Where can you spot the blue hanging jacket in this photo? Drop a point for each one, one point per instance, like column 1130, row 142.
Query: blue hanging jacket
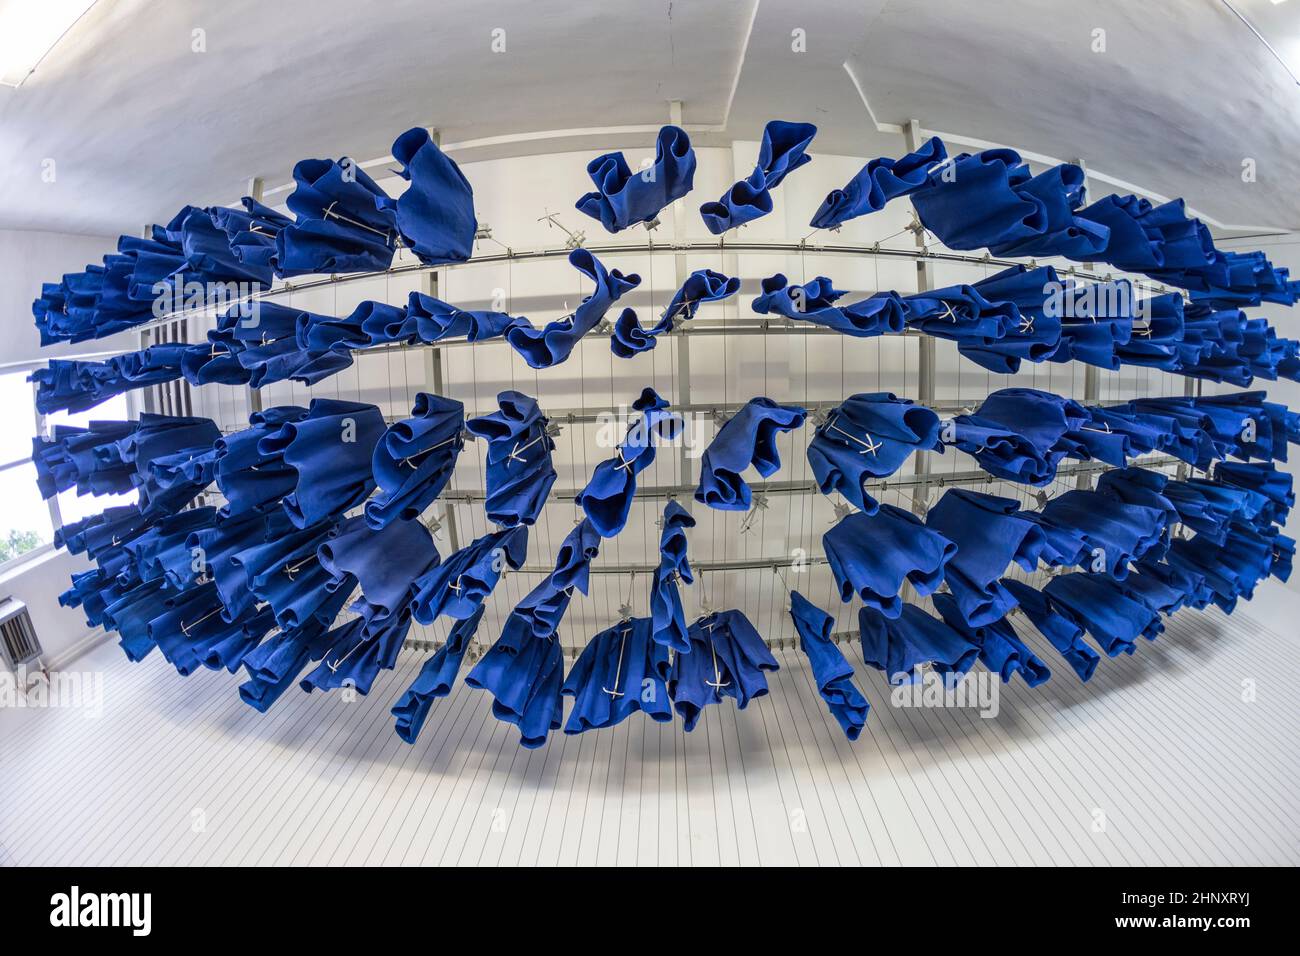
column 359, row 650
column 1097, row 604
column 961, row 314
column 1097, row 320
column 877, row 183
column 871, row 556
column 275, row 664
column 369, row 325
column 989, row 533
column 1123, row 532
column 607, row 498
column 384, row 562
column 748, row 438
column 667, row 616
column 518, row 461
column 782, row 151
column 435, row 679
column 1038, row 334
column 1156, row 334
column 702, row 285
column 99, row 532
column 228, row 652
column 620, row 671
column 191, row 626
column 1000, row 648
column 624, row 198
column 285, row 572
column 129, row 615
column 250, row 479
column 210, row 551
column 1060, row 631
column 87, row 459
column 524, row 674
column 727, row 659
column 832, row 673
column 458, row 586
column 552, row 344
column 544, row 606
column 899, row 645
column 330, row 452
column 208, row 254
column 341, row 226
column 436, row 320
column 1020, row 434
column 435, row 214
column 250, row 232
column 414, row 459
column 815, row 302
column 870, row 436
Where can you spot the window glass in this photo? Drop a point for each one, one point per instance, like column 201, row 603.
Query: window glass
column 24, row 517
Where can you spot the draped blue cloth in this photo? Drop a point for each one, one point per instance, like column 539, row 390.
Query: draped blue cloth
column 748, row 438
column 1038, row 334
column 815, row 302
column 1097, row 319
column 620, row 671
column 385, row 562
column 208, row 253
column 257, row 344
column 275, row 664
column 414, row 459
column 878, row 182
column 250, row 232
column 624, row 197
column 228, row 651
column 727, row 659
column 702, row 285
column 252, row 478
column 544, row 606
column 190, row 625
column 1062, row 632
column 129, row 615
column 147, row 555
column 341, row 226
column 436, row 320
column 1266, row 480
column 369, row 325
column 287, row 574
column 989, row 534
column 900, row 644
column 211, row 551
column 668, row 617
column 360, row 649
column 832, row 673
column 872, row 554
column 329, row 450
column 552, row 344
column 607, row 497
column 74, row 386
column 1096, row 603
column 524, row 674
column 961, row 314
column 435, row 215
column 782, row 151
column 870, row 436
column 458, row 586
column 436, row 678
column 1156, row 335
column 1000, row 648
column 87, row 459
column 1020, row 434
column 1124, row 532
column 98, row 532
column 518, row 461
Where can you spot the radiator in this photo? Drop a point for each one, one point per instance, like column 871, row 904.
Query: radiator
column 18, row 640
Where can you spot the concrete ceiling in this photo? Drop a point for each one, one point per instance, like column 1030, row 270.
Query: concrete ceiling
column 138, row 123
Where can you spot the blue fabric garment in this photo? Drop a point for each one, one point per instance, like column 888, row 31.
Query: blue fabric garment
column 727, row 659
column 1156, row 334
column 870, row 436
column 358, row 651
column 1123, row 532
column 96, row 533
column 369, row 325
column 1274, row 485
column 815, row 302
column 1000, row 648
column 872, row 554
column 607, row 498
column 518, row 460
column 192, row 625
column 1038, row 334
column 208, row 255
column 275, row 664
column 330, row 452
column 1019, row 434
column 458, row 586
column 250, row 232
column 961, row 314
column 341, row 226
column 702, row 285
column 252, row 479
column 385, row 562
column 414, row 459
column 900, row 644
column 782, row 151
column 524, row 674
column 1096, row 603
column 436, row 679
column 87, row 459
column 1097, row 319
column 624, row 198
column 544, row 606
column 989, row 534
column 129, row 615
column 552, row 344
column 436, row 320
column 748, row 438
column 286, row 573
column 211, row 550
column 832, row 673
column 878, row 182
column 1062, row 632
column 228, row 652
column 667, row 616
column 435, row 214
column 620, row 671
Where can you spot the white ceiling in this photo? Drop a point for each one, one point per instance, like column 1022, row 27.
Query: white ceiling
column 138, row 124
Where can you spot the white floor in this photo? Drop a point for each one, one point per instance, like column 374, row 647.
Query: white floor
column 1158, row 760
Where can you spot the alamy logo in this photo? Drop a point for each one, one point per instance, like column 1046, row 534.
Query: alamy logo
column 74, row 909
